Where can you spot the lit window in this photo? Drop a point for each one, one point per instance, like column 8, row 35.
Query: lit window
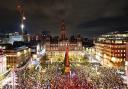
column 118, row 41
column 79, row 44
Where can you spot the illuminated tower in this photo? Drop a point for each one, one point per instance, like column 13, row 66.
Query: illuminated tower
column 63, row 35
column 66, row 62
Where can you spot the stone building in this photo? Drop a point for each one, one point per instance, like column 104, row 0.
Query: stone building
column 55, row 48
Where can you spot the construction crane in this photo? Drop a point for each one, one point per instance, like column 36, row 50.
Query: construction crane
column 20, row 8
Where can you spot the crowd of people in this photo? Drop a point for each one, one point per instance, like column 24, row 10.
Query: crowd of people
column 80, row 77
column 102, row 77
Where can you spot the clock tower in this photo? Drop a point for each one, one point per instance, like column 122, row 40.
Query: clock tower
column 63, row 33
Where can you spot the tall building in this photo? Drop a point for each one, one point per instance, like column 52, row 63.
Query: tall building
column 12, row 37
column 55, row 48
column 16, row 57
column 111, row 48
column 3, row 61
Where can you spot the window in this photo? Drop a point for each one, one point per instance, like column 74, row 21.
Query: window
column 79, row 44
column 118, row 41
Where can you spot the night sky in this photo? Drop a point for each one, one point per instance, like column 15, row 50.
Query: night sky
column 88, row 17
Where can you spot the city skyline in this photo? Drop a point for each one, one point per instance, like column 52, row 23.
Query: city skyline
column 88, row 18
column 64, row 44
